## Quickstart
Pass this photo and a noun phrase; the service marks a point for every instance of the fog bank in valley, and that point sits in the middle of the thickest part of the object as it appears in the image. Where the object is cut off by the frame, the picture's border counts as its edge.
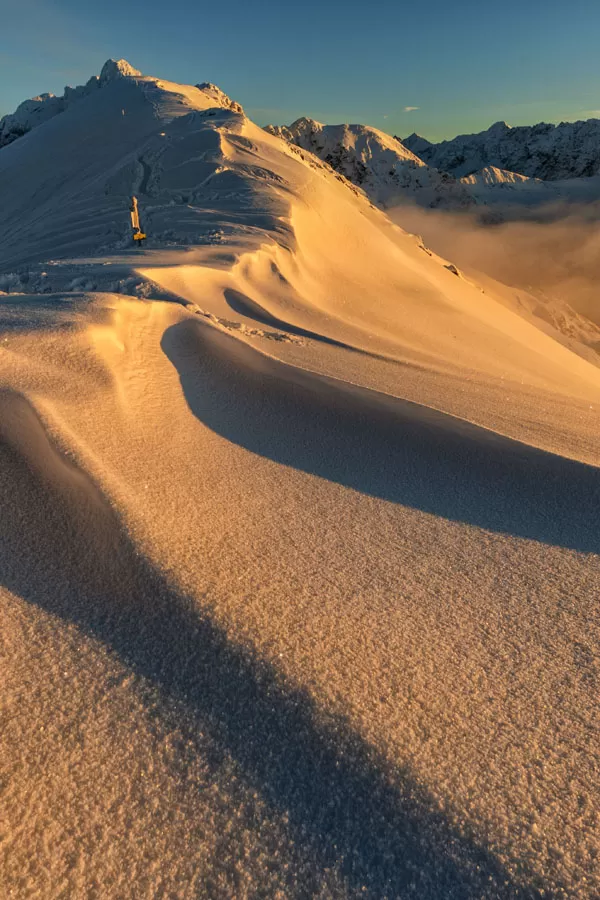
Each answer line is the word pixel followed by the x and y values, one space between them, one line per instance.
pixel 553 253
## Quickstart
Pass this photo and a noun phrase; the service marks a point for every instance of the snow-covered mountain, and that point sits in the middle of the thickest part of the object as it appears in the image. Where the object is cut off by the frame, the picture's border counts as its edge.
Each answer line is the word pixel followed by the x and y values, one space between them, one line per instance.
pixel 228 206
pixel 493 186
pixel 518 196
pixel 65 184
pixel 38 110
pixel 219 97
pixel 285 567
pixel 493 177
pixel 550 152
pixel 382 166
pixel 419 145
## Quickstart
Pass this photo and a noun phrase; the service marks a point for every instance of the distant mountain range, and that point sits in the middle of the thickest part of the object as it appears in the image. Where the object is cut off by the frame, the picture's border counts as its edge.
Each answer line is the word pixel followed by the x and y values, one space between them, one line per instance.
pixel 526 166
pixel 549 152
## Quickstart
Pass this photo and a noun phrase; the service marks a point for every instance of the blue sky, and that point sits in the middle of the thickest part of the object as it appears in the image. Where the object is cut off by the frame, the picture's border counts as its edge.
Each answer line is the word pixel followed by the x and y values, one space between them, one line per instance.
pixel 464 64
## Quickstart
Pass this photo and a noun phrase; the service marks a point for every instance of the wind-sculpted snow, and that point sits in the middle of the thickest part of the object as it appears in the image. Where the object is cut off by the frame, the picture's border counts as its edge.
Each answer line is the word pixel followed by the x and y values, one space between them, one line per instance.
pixel 299 544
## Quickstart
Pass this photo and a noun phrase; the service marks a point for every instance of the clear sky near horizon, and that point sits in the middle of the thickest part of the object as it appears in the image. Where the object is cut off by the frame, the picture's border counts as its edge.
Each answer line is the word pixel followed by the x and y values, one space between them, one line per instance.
pixel 439 68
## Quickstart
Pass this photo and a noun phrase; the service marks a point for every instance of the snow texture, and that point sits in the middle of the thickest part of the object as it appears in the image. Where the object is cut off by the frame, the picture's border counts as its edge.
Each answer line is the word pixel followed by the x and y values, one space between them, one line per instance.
pixel 300 532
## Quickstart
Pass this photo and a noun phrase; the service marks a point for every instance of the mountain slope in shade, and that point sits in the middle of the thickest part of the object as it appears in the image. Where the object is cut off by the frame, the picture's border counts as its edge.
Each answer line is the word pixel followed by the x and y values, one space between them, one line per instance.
pixel 118 127
pixel 550 152
pixel 419 145
pixel 382 166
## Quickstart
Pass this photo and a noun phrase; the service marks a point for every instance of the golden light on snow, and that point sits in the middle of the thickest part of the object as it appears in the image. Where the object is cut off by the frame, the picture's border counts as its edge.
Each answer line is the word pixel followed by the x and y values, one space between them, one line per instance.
pixel 299 538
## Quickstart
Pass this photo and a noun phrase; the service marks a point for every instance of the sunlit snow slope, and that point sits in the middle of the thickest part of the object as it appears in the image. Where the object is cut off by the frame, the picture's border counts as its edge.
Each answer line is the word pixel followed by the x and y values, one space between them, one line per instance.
pixel 299 545
pixel 272 234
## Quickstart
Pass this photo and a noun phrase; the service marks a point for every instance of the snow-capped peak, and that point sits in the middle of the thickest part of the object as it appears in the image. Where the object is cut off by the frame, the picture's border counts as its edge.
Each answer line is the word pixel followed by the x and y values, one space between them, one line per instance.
pixel 117 68
pixel 415 143
pixel 380 164
pixel 39 109
pixel 491 175
pixel 500 127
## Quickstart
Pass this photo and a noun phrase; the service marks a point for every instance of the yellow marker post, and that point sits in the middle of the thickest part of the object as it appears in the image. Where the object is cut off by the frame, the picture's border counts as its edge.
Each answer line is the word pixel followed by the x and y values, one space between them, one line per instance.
pixel 138 234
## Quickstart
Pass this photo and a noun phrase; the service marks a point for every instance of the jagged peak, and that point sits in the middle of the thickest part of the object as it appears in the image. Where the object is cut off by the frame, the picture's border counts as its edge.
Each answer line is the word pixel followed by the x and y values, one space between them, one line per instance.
pixel 499 126
pixel 209 87
pixel 493 175
pixel 117 68
pixel 221 98
pixel 305 123
pixel 304 126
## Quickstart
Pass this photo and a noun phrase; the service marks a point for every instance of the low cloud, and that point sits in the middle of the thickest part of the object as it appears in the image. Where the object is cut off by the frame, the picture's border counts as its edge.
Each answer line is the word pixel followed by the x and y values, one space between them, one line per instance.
pixel 551 252
pixel 410 108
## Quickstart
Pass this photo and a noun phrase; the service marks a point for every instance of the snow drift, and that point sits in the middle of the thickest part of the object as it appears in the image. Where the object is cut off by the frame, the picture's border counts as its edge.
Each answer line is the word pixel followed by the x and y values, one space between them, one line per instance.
pixel 299 544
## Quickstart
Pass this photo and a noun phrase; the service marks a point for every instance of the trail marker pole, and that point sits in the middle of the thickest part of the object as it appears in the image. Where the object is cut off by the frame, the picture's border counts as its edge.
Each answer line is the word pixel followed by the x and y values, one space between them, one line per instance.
pixel 138 234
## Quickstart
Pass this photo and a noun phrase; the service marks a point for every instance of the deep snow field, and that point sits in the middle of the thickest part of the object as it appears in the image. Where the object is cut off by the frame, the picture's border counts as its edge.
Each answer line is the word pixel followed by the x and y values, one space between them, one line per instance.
pixel 299 545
